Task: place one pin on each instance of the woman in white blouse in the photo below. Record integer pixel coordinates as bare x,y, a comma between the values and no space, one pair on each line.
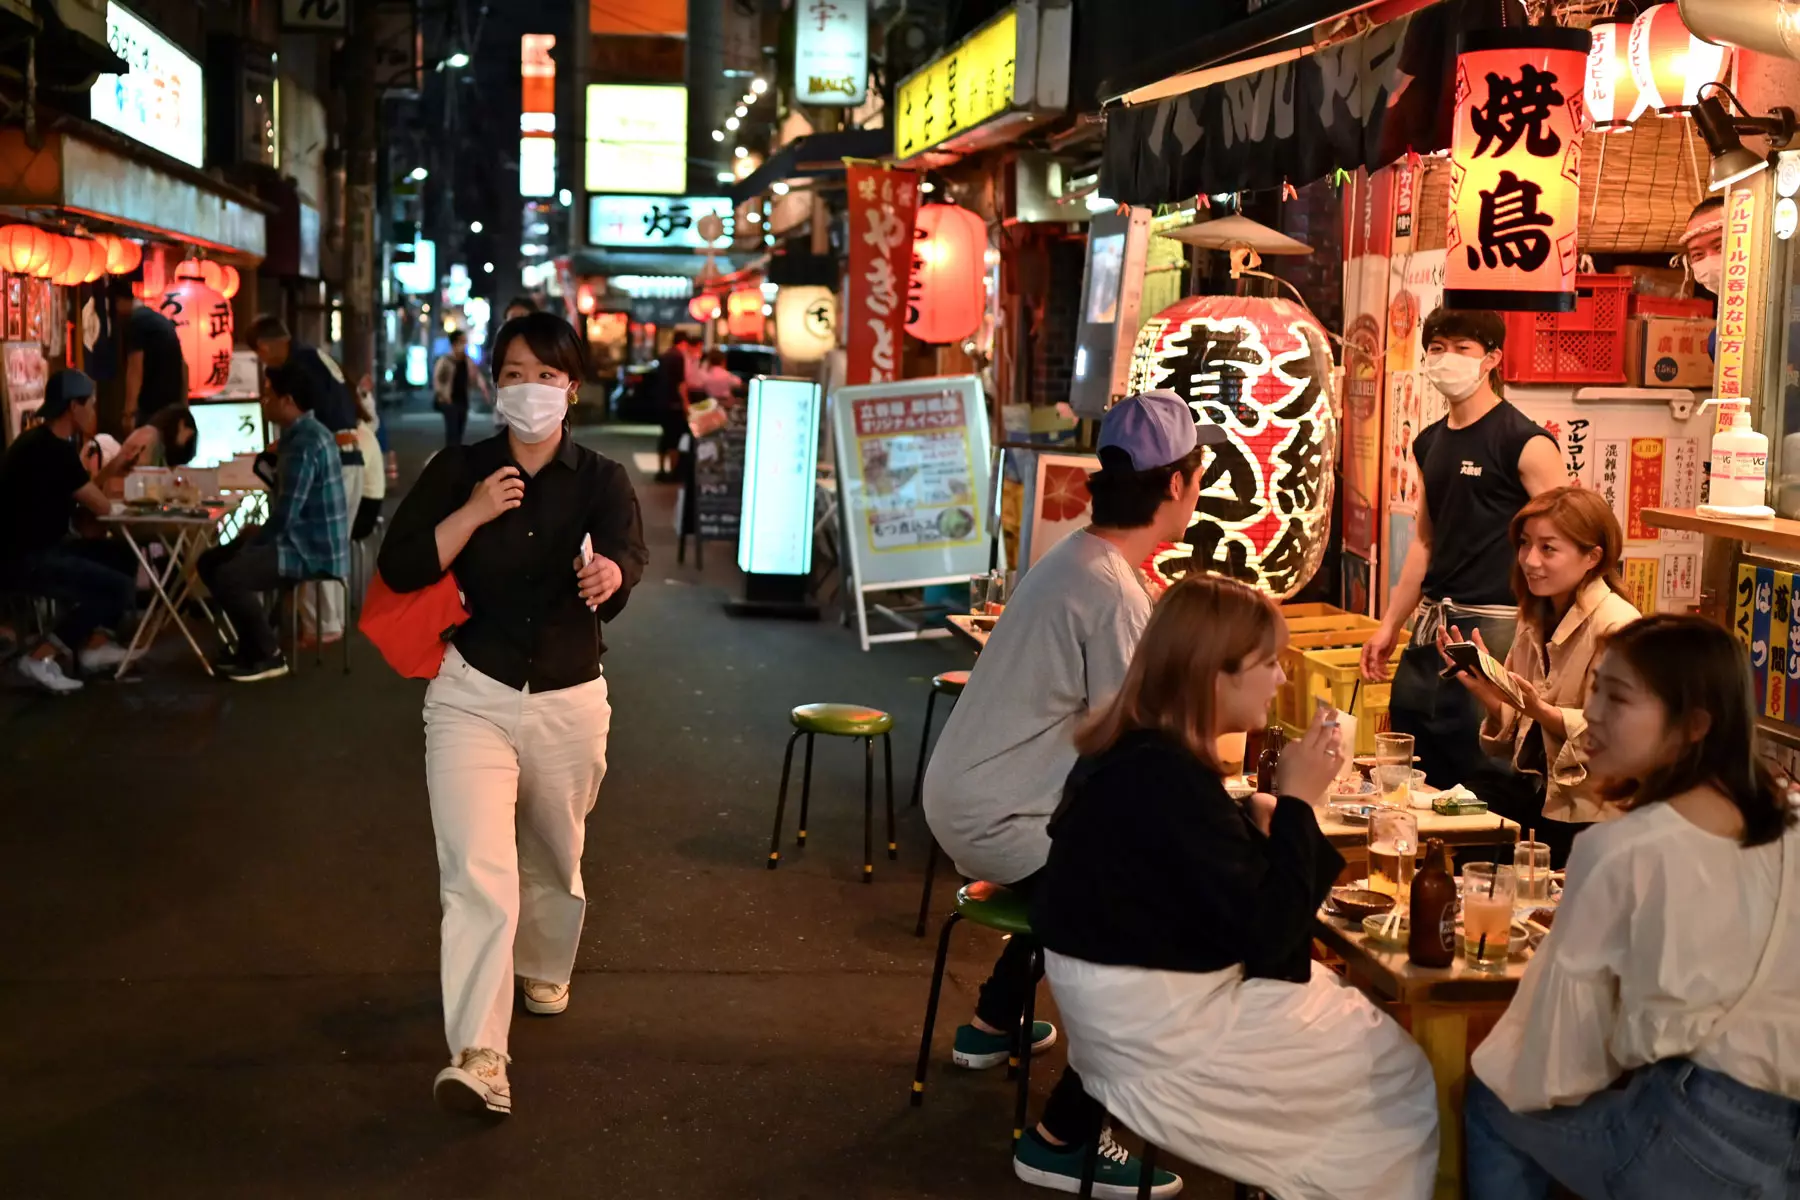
1653,1050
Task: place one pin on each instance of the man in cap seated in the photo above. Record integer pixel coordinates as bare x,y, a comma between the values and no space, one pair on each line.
1060,651
43,484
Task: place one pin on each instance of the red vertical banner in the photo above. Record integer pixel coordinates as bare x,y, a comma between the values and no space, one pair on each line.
884,203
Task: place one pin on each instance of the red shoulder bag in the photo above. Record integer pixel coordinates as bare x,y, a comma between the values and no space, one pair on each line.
412,629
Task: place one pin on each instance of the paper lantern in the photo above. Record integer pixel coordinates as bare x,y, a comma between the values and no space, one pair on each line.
1260,369
806,323
122,254
228,280
947,300
58,262
24,249
1669,64
203,323
1515,169
704,308
1611,93
87,262
744,314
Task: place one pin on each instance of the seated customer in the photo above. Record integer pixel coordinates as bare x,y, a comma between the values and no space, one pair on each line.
43,482
1653,1048
308,534
1177,924
1566,577
170,438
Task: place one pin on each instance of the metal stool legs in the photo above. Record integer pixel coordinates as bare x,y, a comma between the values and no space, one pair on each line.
787,763
924,745
931,857
887,773
1022,1056
931,1010
805,792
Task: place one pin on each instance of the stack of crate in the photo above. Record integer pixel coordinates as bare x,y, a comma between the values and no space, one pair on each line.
1321,662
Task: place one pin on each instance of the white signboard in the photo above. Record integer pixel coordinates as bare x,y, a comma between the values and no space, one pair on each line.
224,430
637,138
651,221
315,15
831,51
420,276
245,380
161,100
781,459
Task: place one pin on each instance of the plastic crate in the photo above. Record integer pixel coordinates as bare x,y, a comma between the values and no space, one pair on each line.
1584,346
1331,674
1321,632
1312,609
1664,306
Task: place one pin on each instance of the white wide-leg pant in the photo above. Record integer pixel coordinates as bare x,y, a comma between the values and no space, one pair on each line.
512,777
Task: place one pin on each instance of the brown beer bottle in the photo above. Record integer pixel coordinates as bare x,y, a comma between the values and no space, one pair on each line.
1268,758
1431,938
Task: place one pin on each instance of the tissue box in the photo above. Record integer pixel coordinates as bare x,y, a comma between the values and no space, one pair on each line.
1668,352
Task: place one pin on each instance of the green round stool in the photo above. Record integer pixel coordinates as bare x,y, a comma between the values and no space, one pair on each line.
950,684
1005,911
839,720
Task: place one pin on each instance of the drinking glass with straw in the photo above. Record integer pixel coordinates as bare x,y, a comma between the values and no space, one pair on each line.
1488,893
1531,861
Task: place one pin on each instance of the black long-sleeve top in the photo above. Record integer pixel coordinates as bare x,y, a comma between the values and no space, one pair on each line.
527,622
1152,864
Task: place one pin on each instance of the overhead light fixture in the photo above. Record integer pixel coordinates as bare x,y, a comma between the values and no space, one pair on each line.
754,217
779,187
759,85
418,174
731,123
476,227
1732,161
727,177
565,197
927,187
488,267
742,111
718,135
741,152
457,59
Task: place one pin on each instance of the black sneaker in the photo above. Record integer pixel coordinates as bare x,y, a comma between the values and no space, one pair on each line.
254,671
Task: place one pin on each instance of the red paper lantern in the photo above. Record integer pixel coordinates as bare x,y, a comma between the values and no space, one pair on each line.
744,314
947,300
1515,169
122,254
203,323
1261,370
87,262
24,249
1668,63
704,308
1611,92
58,262
228,280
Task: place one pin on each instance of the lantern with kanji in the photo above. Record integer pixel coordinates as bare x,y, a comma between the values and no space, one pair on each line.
1515,169
1260,370
1611,93
744,314
203,323
947,299
704,308
1668,63
24,249
806,322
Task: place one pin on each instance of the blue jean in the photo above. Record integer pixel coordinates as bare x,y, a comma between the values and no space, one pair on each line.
95,582
1677,1131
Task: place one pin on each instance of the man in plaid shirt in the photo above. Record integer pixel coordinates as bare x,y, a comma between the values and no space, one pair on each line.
307,537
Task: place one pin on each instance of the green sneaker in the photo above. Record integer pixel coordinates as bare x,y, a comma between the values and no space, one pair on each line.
978,1050
1116,1170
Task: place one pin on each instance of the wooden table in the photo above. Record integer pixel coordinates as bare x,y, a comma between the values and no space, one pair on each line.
1477,829
183,537
1448,1010
963,626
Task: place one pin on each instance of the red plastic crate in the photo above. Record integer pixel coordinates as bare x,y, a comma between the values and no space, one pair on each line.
1663,306
1584,346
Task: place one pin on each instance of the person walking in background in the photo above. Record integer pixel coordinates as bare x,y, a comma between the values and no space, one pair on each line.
1566,579
1001,762
1480,463
519,306
452,379
308,534
546,542
673,397
156,374
1653,1048
337,411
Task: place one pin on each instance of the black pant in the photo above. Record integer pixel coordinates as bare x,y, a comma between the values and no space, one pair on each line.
1070,1115
237,575
1519,796
94,581
1441,714
456,419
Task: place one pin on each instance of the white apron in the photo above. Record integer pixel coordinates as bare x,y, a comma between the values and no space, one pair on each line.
1307,1090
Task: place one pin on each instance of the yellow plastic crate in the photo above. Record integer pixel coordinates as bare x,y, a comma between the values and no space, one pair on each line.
1311,609
1331,674
1293,704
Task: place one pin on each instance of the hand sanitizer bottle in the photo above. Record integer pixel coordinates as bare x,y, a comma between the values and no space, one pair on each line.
1740,463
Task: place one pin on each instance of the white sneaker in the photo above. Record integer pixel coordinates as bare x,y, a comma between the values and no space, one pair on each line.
545,999
475,1084
47,673
105,657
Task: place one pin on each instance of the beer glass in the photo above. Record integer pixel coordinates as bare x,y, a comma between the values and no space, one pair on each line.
1393,853
1393,749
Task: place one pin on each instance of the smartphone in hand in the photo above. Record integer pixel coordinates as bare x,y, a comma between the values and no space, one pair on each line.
586,555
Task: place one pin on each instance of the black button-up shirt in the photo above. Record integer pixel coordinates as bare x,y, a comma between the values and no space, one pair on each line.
527,623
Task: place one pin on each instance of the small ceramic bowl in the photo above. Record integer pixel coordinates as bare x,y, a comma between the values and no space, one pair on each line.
1239,787
1375,926
1354,904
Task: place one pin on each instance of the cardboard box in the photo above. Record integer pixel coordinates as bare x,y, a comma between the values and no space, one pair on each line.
1654,281
1668,352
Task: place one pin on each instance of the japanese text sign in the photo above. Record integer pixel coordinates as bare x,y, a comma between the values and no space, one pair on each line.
1515,170
958,90
884,203
161,99
652,221
831,51
1734,296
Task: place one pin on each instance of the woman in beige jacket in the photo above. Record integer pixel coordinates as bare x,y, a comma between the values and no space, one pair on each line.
1566,576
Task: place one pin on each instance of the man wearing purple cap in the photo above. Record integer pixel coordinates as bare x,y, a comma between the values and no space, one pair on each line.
1000,765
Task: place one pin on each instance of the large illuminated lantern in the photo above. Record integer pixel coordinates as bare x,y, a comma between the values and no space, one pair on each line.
1611,92
203,324
1515,169
946,300
806,323
1261,369
1668,63
744,314
24,249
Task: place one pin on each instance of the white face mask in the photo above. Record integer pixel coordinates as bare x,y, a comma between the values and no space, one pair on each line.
533,411
1455,375
1709,273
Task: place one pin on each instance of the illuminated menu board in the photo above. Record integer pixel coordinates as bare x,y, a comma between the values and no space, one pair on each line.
781,457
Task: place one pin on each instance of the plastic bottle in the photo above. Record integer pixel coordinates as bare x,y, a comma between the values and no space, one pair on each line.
1431,936
1740,463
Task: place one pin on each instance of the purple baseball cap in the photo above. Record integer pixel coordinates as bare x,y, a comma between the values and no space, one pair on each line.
1155,429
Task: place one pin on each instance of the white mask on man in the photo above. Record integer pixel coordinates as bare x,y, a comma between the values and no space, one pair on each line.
533,411
1455,375
1709,273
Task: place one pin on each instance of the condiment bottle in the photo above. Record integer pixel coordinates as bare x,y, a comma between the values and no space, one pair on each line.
1431,939
1269,758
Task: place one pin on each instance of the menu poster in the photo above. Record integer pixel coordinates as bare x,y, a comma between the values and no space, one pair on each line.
719,475
25,374
1060,503
1646,487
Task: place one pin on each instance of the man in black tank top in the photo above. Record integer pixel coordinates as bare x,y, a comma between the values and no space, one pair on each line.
1479,465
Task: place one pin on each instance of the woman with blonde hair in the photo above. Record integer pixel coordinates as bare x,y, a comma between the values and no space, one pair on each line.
1565,574
1177,924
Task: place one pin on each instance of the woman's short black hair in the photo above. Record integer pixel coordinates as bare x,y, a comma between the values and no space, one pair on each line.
550,337
1128,499
168,422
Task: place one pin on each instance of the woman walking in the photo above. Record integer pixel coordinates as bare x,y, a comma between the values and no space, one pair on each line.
545,541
